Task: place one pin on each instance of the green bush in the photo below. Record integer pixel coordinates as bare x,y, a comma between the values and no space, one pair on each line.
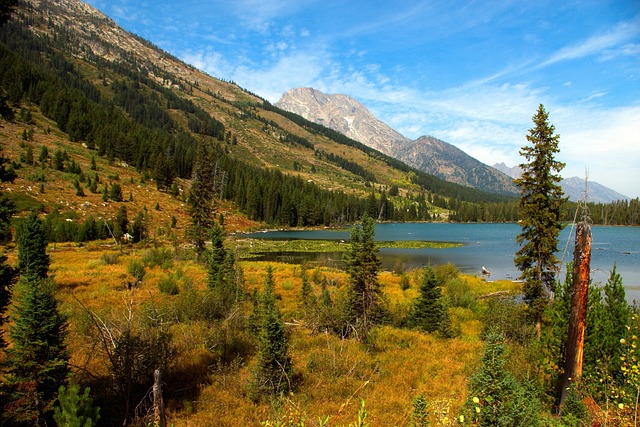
137,270
158,257
459,294
169,285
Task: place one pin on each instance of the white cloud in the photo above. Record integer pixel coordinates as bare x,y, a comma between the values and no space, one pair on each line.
597,44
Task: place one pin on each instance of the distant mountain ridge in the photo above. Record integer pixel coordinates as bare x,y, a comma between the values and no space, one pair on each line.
574,187
348,116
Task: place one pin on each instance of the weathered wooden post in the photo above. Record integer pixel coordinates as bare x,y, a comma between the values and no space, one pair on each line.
578,314
158,404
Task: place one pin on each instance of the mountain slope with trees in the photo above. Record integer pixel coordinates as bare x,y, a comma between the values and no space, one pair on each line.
127,101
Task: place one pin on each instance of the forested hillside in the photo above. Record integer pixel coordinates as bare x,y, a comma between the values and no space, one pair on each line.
129,109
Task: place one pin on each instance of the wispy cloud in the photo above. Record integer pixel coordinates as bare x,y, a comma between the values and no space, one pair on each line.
597,44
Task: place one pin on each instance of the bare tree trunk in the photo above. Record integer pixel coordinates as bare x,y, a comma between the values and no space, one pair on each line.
158,404
578,313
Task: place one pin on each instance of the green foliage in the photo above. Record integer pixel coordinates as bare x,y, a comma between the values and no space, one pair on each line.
8,277
139,228
420,414
137,270
33,260
574,411
168,285
163,172
307,296
158,257
429,313
59,157
221,270
43,156
508,318
115,192
121,223
362,263
38,358
273,373
540,202
7,209
459,294
608,314
7,173
201,196
75,409
497,398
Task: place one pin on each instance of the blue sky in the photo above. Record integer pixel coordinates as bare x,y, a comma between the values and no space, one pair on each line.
471,73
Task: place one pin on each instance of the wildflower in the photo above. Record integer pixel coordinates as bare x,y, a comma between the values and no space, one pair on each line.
476,400
461,418
621,405
623,341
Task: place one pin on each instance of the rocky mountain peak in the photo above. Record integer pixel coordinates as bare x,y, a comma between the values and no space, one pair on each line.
349,117
345,115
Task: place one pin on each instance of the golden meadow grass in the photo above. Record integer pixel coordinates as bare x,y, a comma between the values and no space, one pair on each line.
388,372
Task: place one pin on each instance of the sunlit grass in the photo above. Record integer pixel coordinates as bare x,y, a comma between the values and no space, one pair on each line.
387,372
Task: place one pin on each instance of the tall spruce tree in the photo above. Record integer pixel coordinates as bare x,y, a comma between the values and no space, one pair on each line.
37,359
429,313
273,374
366,301
541,198
33,260
201,196
221,269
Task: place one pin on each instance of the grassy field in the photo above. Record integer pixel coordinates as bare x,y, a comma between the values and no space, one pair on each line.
335,374
207,383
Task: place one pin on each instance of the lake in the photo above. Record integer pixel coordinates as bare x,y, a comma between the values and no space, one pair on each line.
490,245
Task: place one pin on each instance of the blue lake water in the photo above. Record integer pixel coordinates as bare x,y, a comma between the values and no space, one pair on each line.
489,245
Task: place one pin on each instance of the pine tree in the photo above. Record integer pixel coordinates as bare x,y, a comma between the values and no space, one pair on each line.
115,192
366,301
541,198
163,172
75,409
273,374
8,277
33,260
429,314
38,358
221,268
7,173
120,227
608,316
496,397
7,209
307,297
201,197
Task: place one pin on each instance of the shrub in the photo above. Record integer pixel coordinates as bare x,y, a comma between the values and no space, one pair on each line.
169,285
158,257
509,318
110,259
459,294
405,282
137,270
